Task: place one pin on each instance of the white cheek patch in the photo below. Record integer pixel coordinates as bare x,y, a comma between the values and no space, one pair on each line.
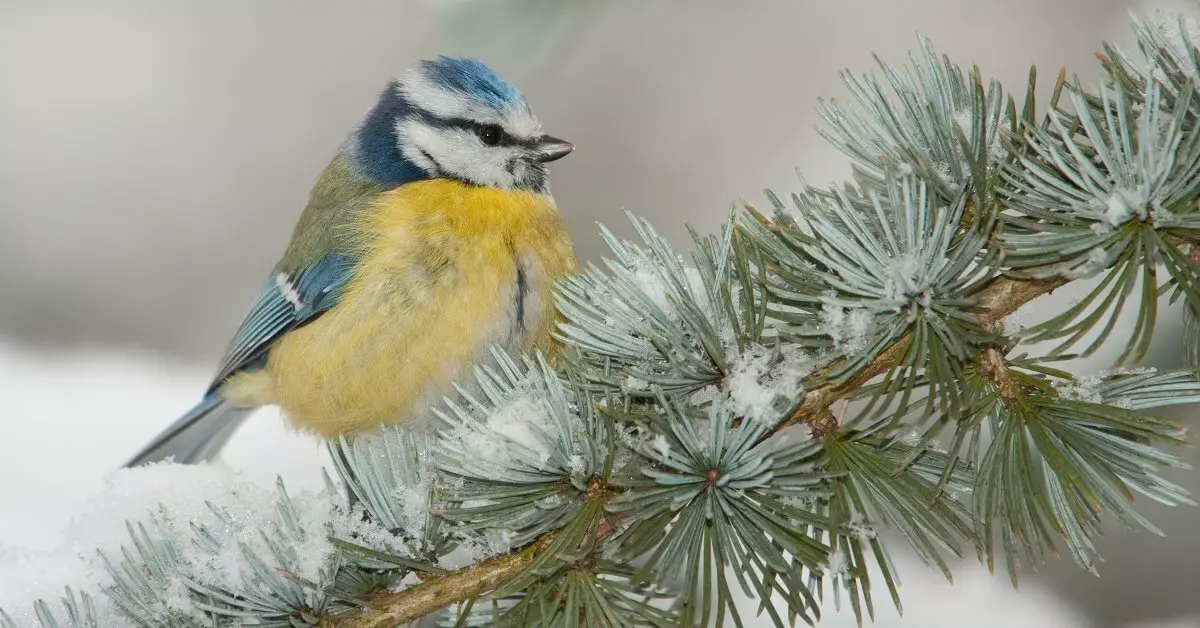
405,129
456,153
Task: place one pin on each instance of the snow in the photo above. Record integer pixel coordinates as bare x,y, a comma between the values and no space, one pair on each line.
996,152
634,384
850,329
838,564
660,444
649,277
1182,41
909,277
1088,387
1097,260
152,496
520,429
50,497
416,507
758,381
1123,205
1082,389
1139,370
1016,322
69,420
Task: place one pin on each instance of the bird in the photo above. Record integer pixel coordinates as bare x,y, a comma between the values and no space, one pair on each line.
429,239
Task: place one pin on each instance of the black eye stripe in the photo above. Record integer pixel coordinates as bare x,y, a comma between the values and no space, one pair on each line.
503,138
472,126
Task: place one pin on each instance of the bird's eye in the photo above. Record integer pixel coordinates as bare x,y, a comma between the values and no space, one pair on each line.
489,134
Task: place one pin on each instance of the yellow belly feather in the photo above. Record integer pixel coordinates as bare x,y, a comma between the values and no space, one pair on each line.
436,286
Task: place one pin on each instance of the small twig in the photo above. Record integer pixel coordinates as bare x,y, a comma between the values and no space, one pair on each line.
823,424
993,366
387,609
1001,297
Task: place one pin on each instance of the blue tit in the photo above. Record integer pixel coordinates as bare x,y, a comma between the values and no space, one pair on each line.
430,238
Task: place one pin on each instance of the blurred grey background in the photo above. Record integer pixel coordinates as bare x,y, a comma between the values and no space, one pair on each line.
154,155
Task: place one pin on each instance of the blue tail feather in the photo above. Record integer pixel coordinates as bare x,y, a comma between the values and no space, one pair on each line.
196,436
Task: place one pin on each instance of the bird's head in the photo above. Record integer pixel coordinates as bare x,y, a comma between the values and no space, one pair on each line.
455,118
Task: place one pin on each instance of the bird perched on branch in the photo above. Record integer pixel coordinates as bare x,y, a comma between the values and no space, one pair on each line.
430,237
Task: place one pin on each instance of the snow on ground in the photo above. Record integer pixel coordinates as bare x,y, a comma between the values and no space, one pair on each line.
67,420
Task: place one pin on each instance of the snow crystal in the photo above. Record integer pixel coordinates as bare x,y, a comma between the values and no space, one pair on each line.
416,506
474,547
850,329
1097,261
631,383
660,444
577,465
909,278
1082,389
838,564
996,152
1087,388
760,380
1140,370
1016,322
1123,205
517,430
649,277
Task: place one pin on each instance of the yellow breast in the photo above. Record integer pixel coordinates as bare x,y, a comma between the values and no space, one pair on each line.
447,270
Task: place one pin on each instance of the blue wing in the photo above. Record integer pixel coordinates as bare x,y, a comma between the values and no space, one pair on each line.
287,301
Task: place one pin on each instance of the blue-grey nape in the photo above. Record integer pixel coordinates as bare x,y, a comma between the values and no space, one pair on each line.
473,78
376,154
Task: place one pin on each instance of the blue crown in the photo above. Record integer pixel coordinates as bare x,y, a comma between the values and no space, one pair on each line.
473,78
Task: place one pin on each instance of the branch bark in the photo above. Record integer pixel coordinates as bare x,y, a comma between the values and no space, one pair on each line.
387,609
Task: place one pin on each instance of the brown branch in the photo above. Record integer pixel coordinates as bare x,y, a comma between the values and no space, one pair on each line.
999,298
994,366
386,609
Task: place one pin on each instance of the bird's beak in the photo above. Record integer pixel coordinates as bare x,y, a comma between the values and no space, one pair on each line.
551,148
